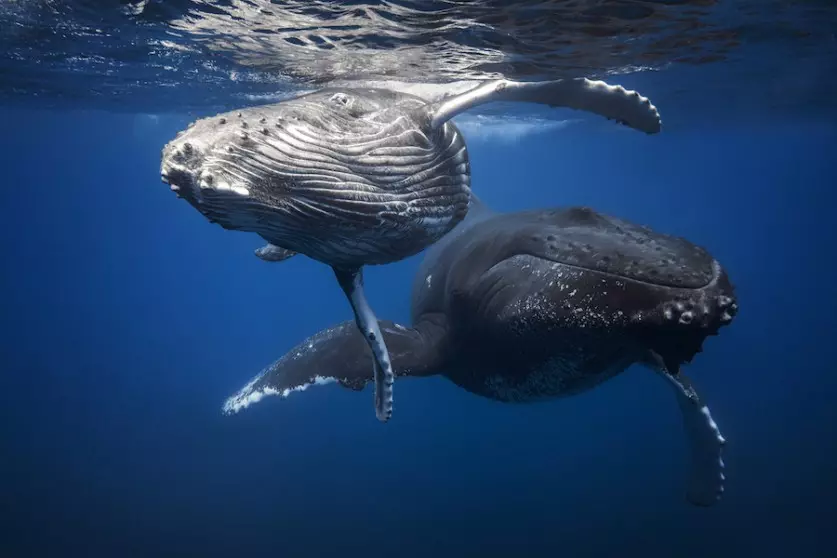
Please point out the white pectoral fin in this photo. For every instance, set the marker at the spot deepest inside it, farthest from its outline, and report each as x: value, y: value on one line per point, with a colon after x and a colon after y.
x: 351, y: 281
x: 706, y: 478
x: 610, y: 101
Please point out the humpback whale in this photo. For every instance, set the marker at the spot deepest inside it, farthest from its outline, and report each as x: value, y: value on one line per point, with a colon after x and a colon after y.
x: 357, y: 176
x: 534, y: 305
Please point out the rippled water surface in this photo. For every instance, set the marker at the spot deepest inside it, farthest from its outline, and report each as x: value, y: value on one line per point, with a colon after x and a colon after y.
x: 182, y: 55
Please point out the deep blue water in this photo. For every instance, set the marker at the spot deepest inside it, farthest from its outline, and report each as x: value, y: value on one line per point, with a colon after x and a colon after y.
x: 127, y: 319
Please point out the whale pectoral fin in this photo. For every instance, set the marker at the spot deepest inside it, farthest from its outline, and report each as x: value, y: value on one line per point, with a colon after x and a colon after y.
x: 610, y: 101
x: 273, y: 253
x: 340, y: 354
x: 351, y: 281
x: 706, y: 444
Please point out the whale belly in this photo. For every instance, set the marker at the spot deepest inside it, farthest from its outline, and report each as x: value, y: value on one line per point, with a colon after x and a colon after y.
x: 346, y: 178
x: 529, y: 373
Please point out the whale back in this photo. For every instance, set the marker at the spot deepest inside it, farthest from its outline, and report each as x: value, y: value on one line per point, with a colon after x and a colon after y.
x: 430, y: 282
x: 348, y: 177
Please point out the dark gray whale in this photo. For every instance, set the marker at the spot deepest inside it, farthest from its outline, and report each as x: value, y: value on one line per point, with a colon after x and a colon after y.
x: 533, y: 305
x: 357, y: 176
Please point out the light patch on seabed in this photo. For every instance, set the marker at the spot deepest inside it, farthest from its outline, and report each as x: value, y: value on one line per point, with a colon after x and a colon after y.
x: 247, y: 395
x: 505, y: 128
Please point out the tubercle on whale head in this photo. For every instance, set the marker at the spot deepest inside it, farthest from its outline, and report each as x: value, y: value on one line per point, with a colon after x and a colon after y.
x: 675, y: 331
x: 177, y: 169
x: 191, y: 163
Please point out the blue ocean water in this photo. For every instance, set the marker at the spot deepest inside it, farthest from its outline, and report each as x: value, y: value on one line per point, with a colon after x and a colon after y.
x: 127, y: 319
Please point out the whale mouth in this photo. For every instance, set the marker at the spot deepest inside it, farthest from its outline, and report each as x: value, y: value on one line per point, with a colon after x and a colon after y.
x: 181, y: 182
x: 586, y: 239
x: 652, y: 279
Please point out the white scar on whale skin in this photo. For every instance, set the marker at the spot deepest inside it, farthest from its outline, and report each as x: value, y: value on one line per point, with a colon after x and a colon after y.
x: 248, y: 395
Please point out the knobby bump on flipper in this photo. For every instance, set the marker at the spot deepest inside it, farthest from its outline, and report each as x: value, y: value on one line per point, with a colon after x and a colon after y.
x: 351, y: 281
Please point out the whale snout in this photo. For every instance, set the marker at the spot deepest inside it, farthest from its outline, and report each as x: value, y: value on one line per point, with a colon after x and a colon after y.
x: 182, y: 169
x: 679, y: 325
x: 710, y: 307
x: 672, y: 322
x: 197, y: 166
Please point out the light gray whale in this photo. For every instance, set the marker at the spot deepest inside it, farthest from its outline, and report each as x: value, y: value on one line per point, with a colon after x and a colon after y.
x: 357, y: 176
x: 533, y: 305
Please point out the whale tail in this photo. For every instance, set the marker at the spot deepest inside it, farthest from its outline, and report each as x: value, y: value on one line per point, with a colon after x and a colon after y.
x: 340, y: 354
